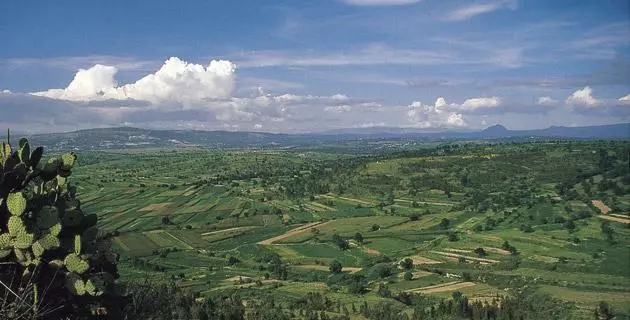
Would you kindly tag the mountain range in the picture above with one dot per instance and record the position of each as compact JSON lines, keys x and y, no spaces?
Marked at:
{"x":128,"y":137}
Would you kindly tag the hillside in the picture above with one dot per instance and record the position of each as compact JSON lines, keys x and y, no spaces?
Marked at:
{"x":485,"y":221}
{"x":122,"y":138}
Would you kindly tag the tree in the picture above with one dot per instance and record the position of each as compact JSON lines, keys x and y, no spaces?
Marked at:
{"x":604,"y":311}
{"x":408,"y":275}
{"x":570,"y":225}
{"x":376,"y":227}
{"x":444,"y":224}
{"x":335,"y":267}
{"x":406,"y":264}
{"x":233,"y":260}
{"x":358,"y":237}
{"x":481,"y":252}
{"x":452,"y":236}
{"x":340,"y":242}
{"x":166,"y":220}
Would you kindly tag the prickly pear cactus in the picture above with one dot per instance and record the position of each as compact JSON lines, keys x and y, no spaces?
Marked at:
{"x":46,"y":234}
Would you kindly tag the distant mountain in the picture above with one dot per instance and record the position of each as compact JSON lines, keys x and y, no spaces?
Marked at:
{"x":126,"y":137}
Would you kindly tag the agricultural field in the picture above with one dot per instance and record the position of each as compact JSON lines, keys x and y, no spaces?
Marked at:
{"x":480,"y":219}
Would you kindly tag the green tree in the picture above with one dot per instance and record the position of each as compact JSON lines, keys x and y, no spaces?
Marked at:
{"x":335,"y":267}
{"x":358,"y":237}
{"x":406,"y":264}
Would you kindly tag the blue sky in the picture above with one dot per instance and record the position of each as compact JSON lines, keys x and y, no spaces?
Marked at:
{"x":296,"y":66}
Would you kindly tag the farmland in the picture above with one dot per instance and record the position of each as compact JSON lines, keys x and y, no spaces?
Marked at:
{"x":481,"y":219}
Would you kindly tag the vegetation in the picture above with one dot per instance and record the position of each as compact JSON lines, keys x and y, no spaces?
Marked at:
{"x":461,"y":230}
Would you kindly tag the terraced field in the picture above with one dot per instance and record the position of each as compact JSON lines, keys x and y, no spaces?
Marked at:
{"x":275,"y":222}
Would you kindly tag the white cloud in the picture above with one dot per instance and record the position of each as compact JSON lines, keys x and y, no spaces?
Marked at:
{"x":625,"y":99}
{"x":379,"y":2}
{"x":582,"y":98}
{"x":6,"y":91}
{"x":434,"y":116}
{"x":546,"y":101}
{"x":477,"y":103}
{"x":176,"y":80}
{"x":472,"y":10}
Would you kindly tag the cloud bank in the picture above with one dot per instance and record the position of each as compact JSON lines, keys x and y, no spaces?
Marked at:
{"x":185,"y":95}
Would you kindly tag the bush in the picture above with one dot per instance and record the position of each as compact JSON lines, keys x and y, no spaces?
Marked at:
{"x":406,"y":264}
{"x":335,"y":267}
{"x":408,"y":275}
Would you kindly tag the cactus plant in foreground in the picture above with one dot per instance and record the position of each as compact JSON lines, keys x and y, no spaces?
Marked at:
{"x":48,"y":241}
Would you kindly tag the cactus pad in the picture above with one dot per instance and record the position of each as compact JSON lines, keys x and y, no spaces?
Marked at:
{"x":16,"y":203}
{"x":76,"y":284}
{"x":75,"y":264}
{"x":68,"y":160}
{"x":45,"y":243}
{"x":95,"y":286}
{"x":16,"y":225}
{"x":54,"y":230}
{"x":77,"y":244}
{"x":47,"y":217}
{"x":5,"y":241}
{"x":24,"y":151}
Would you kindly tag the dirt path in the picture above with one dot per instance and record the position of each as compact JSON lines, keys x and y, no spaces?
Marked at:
{"x":225,"y":230}
{"x":290,"y":233}
{"x":444,"y":287}
{"x":417,"y":260}
{"x":425,"y":202}
{"x":601,"y":206}
{"x":453,"y":255}
{"x":370,"y":251}
{"x":155,"y":207}
{"x":497,"y":250}
{"x":348,"y":199}
{"x":616,"y":219}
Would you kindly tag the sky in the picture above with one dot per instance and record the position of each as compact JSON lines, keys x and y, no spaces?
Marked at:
{"x":308,"y":66}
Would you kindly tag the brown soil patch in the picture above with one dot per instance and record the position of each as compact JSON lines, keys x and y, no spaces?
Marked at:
{"x":444,"y":287}
{"x":416,"y":274}
{"x":601,"y":206}
{"x":114,"y":216}
{"x":457,"y":250}
{"x":237,"y":278}
{"x":226,"y":230}
{"x":453,"y":255}
{"x":348,"y":199}
{"x":370,"y":251}
{"x":155,"y":206}
{"x":305,"y":228}
{"x":616,"y":219}
{"x":422,"y":260}
{"x":497,"y":250}
{"x":326,"y":268}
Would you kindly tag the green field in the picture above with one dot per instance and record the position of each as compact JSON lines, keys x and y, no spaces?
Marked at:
{"x":203,"y":217}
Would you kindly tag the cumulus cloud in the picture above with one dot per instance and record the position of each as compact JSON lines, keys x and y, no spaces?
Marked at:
{"x":476,"y":103}
{"x":434,"y":116}
{"x":379,"y":2}
{"x":582,"y":98}
{"x":176,"y":80}
{"x":5,"y":91}
{"x":546,"y":101}
{"x":625,"y":99}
